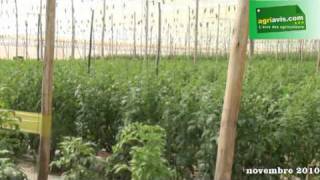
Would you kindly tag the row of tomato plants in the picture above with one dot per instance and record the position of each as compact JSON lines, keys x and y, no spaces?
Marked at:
{"x":278,"y":122}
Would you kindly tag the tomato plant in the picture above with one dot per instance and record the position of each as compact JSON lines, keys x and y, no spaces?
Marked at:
{"x":278,"y":122}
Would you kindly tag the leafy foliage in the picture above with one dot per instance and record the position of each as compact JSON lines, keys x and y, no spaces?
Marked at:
{"x":12,"y":143}
{"x":8,"y":120}
{"x":278,"y":121}
{"x":139,"y":154}
{"x":76,"y":159}
{"x":8,"y":170}
{"x":11,"y":140}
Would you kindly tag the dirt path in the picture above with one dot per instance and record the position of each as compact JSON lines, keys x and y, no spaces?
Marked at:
{"x":29,"y":169}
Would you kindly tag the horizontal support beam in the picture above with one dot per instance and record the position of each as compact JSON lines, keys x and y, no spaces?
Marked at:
{"x":28,"y":122}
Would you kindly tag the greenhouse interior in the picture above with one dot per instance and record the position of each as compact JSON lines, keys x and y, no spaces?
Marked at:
{"x":159,"y":90}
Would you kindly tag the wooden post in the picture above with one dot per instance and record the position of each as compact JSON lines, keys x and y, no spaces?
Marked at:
{"x":300,"y":50}
{"x":159,"y":39}
{"x":27,"y":41}
{"x":103,"y":28}
{"x":63,"y":48}
{"x":47,"y":87}
{"x":186,"y":44}
{"x":17,"y":29}
{"x":168,"y":40}
{"x":281,"y":47}
{"x":146,"y":30}
{"x":175,"y":49}
{"x":231,"y":106}
{"x":150,"y":39}
{"x":85,"y":49}
{"x":315,"y":47}
{"x":57,"y":40}
{"x":195,"y":55}
{"x":288,"y":49}
{"x":318,"y":57}
{"x":90,"y":42}
{"x":187,"y":35}
{"x":251,"y":50}
{"x":112,"y":34}
{"x":134,"y":34}
{"x":7,"y":46}
{"x":38,"y":38}
{"x":189,"y":31}
{"x":209,"y":44}
{"x":218,"y":29}
{"x":73,"y":40}
{"x":141,"y":39}
{"x":40,"y":31}
{"x":117,"y":36}
{"x":171,"y":45}
{"x":93,"y":54}
{"x":207,"y":38}
{"x":277,"y":49}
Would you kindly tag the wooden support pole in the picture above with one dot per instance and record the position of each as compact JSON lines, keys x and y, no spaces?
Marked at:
{"x":189,"y":31}
{"x":47,"y":87}
{"x":146,"y":30}
{"x":171,"y":45}
{"x":150,"y":43}
{"x":186,"y":44}
{"x":288,"y":49}
{"x":38,"y":38}
{"x":315,"y":46}
{"x":159,"y":39}
{"x":93,"y":54}
{"x":112,"y":36}
{"x":63,"y":48}
{"x":27,"y":42}
{"x":41,"y":40}
{"x":218,"y":33}
{"x":231,"y":106}
{"x":195,"y":55}
{"x":176,"y":46}
{"x":141,"y":39}
{"x":169,"y":39}
{"x":251,"y":50}
{"x":134,"y":34}
{"x":187,"y":38}
{"x":103,"y":28}
{"x":90,"y":42}
{"x":281,"y":48}
{"x":57,"y":40}
{"x":318,"y":57}
{"x":277,"y":49}
{"x":207,"y":39}
{"x":209,"y":46}
{"x":7,"y":46}
{"x":85,"y":49}
{"x":73,"y":40}
{"x":17,"y":28}
{"x":117,"y":39}
{"x":301,"y":49}
{"x":40,"y":31}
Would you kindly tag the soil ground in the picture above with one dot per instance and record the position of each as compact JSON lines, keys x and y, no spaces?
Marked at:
{"x":29,"y":168}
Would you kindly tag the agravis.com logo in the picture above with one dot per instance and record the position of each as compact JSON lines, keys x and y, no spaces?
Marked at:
{"x":266,"y":21}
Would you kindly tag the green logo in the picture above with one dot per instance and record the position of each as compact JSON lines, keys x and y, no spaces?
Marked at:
{"x":280,"y":19}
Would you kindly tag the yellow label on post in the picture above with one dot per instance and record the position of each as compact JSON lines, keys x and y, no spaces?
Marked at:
{"x":29,"y":122}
